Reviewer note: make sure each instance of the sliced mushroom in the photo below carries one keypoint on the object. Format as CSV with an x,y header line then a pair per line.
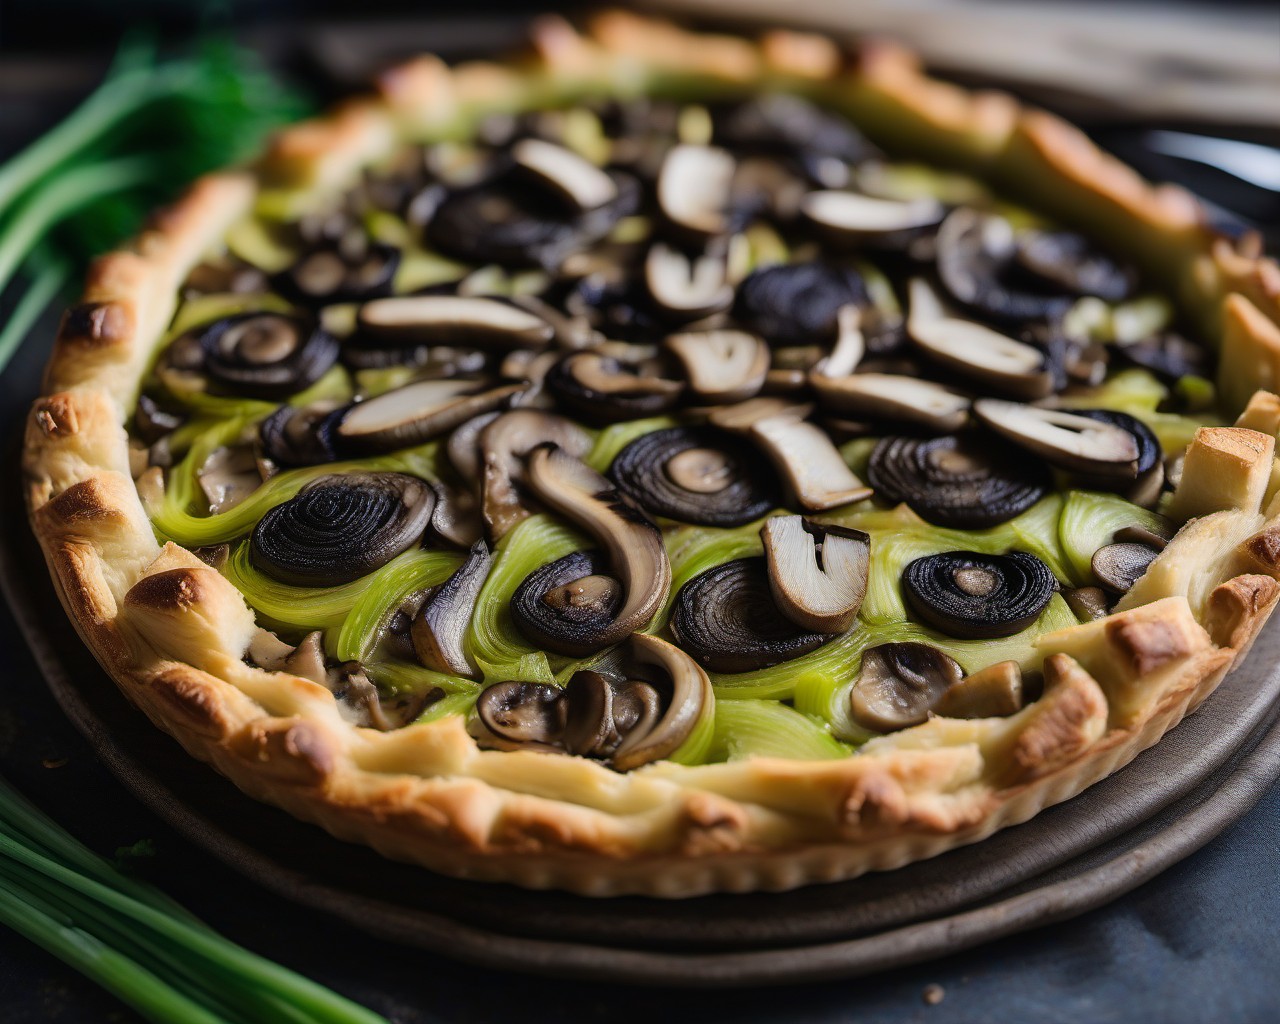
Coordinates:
x,y
857,217
808,461
453,320
909,401
849,348
1134,533
1169,356
1075,441
523,715
504,443
328,275
298,436
1066,260
357,692
694,188
571,176
726,619
636,556
973,595
996,361
798,303
1087,603
992,692
975,252
817,573
341,527
960,481
153,422
788,125
456,518
686,288
899,684
269,652
463,447
1119,566
696,475
689,701
257,355
441,624
228,476
565,605
603,389
739,418
413,414
721,366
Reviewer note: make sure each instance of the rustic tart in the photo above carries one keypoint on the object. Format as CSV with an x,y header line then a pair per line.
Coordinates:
x,y
668,463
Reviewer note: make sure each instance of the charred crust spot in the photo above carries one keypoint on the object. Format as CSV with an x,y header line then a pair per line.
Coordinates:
x,y
290,751
1264,547
713,825
1061,733
876,797
85,502
173,588
95,323
1146,645
1238,606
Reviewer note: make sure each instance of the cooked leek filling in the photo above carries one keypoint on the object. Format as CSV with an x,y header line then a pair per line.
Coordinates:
x,y
649,430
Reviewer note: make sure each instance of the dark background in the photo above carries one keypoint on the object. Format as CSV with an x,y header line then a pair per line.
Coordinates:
x,y
1201,943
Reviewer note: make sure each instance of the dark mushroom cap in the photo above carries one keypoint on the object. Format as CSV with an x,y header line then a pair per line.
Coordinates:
x,y
1169,356
341,527
797,303
899,684
265,355
522,714
1066,260
959,480
786,125
603,389
503,221
726,619
969,594
329,275
565,605
293,436
442,620
975,253
698,475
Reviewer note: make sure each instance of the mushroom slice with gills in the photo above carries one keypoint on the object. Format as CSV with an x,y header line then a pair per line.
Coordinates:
x,y
1119,566
503,445
689,700
992,692
457,320
413,414
695,188
808,461
698,475
960,481
987,357
906,401
603,389
798,303
575,179
721,366
441,624
1066,260
1073,441
686,288
265,355
974,254
968,594
857,217
521,715
298,436
341,527
326,276
228,476
636,555
727,620
817,573
899,684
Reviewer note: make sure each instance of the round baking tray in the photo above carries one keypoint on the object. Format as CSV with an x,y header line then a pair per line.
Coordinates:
x,y
1170,801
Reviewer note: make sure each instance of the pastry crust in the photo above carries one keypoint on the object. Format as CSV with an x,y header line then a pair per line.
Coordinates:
x,y
173,632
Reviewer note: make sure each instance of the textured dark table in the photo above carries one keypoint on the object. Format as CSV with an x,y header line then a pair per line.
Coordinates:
x,y
1200,943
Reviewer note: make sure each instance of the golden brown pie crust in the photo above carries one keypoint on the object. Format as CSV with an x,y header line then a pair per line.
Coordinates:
x,y
173,632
